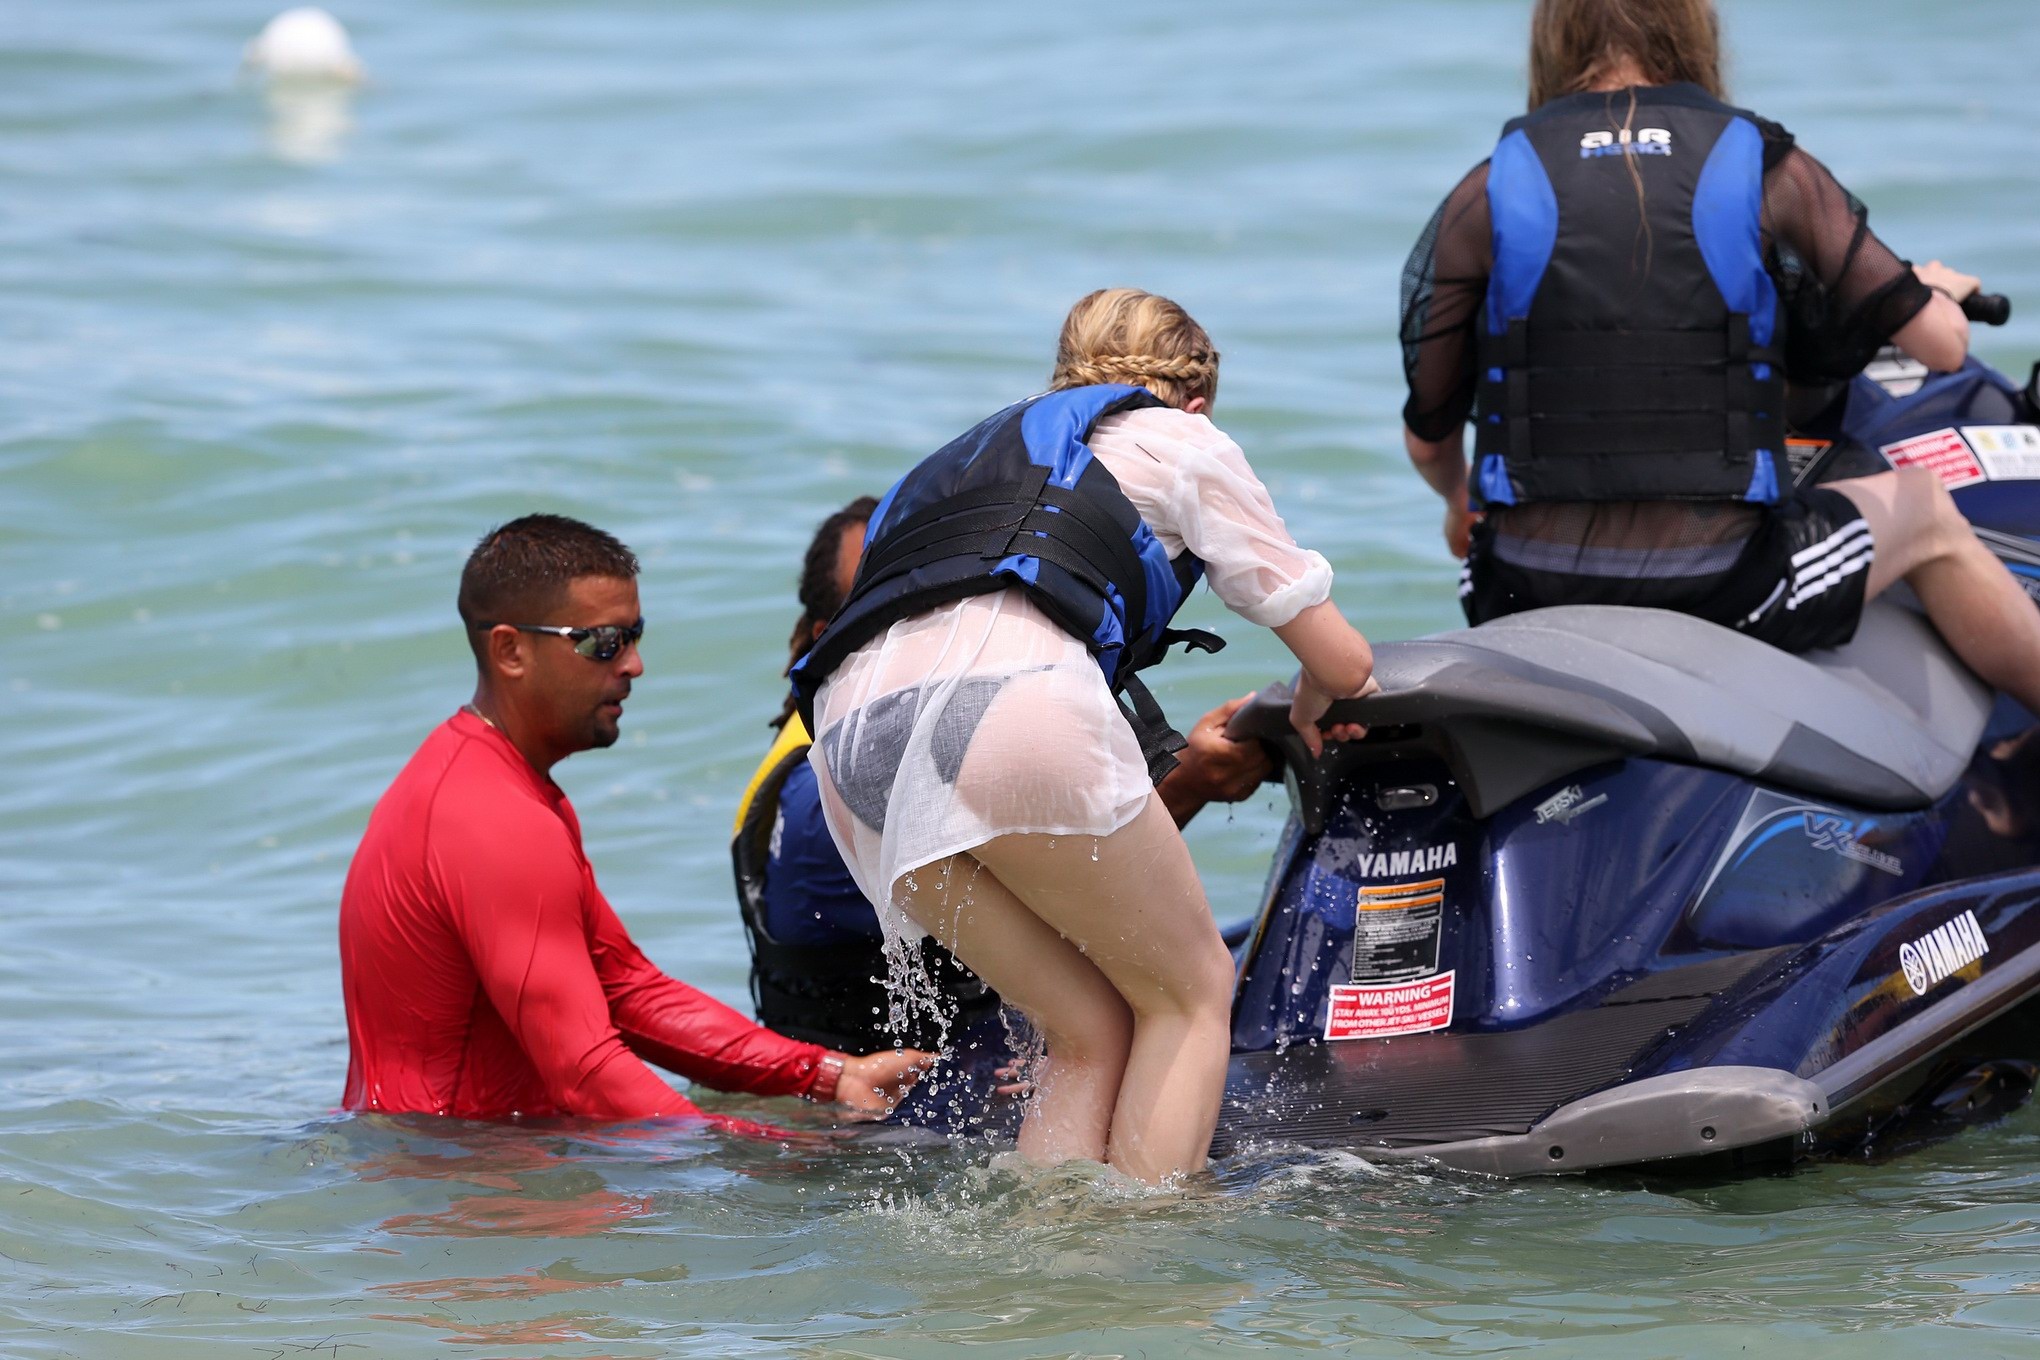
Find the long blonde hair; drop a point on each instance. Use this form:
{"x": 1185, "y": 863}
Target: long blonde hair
{"x": 1123, "y": 335}
{"x": 1573, "y": 44}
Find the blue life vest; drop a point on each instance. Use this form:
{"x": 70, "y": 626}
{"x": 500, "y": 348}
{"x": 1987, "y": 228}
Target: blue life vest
{"x": 1630, "y": 346}
{"x": 1019, "y": 502}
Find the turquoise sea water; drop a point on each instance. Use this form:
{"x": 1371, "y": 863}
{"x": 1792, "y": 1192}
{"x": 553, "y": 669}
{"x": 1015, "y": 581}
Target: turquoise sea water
{"x": 700, "y": 273}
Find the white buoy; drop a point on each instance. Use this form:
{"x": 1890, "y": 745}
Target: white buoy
{"x": 304, "y": 45}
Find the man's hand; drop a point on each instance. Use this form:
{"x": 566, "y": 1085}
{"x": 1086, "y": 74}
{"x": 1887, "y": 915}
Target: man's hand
{"x": 1223, "y": 769}
{"x": 1212, "y": 767}
{"x": 870, "y": 1086}
{"x": 1459, "y": 522}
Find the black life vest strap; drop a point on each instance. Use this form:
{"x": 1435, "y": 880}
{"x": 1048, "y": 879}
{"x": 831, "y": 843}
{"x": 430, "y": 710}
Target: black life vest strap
{"x": 1641, "y": 392}
{"x": 1029, "y": 518}
{"x": 1159, "y": 742}
{"x": 1193, "y": 640}
{"x": 1610, "y": 349}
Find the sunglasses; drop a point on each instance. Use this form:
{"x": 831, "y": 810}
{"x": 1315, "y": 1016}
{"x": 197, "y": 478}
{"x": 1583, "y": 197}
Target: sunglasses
{"x": 597, "y": 644}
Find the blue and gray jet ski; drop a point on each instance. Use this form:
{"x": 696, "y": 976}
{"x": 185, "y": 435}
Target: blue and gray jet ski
{"x": 1605, "y": 887}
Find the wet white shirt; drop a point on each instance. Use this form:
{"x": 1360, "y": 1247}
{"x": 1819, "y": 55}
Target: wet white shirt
{"x": 984, "y": 718}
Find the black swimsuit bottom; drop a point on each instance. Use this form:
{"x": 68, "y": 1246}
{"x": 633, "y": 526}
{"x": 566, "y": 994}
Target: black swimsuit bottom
{"x": 865, "y": 761}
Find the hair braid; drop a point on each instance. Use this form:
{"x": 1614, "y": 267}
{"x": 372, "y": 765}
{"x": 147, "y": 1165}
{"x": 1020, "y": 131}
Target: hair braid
{"x": 1123, "y": 335}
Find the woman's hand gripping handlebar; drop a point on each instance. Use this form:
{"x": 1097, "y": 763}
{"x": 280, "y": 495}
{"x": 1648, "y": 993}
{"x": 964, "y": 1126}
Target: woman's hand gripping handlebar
{"x": 1337, "y": 664}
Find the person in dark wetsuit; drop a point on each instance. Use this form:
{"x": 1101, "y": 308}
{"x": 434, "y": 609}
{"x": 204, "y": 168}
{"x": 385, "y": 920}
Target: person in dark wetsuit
{"x": 818, "y": 969}
{"x": 485, "y": 975}
{"x": 1617, "y": 298}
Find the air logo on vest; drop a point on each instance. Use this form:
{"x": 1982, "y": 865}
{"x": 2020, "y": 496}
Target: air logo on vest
{"x": 1425, "y": 859}
{"x": 1645, "y": 142}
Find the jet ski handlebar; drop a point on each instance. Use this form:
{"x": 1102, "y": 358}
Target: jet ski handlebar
{"x": 1265, "y": 717}
{"x": 1991, "y": 309}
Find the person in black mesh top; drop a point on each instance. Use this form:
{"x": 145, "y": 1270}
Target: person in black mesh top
{"x": 1618, "y": 299}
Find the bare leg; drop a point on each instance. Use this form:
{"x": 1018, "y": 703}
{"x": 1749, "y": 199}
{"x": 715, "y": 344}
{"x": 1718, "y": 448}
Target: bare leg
{"x": 1921, "y": 537}
{"x": 1088, "y": 1028}
{"x": 1138, "y": 913}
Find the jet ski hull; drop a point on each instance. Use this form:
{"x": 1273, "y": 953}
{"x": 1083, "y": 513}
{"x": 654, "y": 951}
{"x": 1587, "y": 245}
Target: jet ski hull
{"x": 1782, "y": 1051}
{"x": 1606, "y": 887}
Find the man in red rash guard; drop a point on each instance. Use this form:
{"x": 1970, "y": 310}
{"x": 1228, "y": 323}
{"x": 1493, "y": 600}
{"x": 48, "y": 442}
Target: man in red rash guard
{"x": 485, "y": 974}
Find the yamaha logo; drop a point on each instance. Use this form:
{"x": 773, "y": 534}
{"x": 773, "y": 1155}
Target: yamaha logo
{"x": 1915, "y": 969}
{"x": 1941, "y": 952}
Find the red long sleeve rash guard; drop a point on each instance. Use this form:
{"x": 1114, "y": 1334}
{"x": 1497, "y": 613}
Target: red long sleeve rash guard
{"x": 486, "y": 975}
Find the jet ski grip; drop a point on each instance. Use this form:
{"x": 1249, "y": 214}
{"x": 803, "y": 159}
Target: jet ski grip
{"x": 1265, "y": 718}
{"x": 1991, "y": 309}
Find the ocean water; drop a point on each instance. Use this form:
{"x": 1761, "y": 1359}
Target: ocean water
{"x": 700, "y": 273}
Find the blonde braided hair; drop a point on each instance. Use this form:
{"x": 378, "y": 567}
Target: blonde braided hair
{"x": 1123, "y": 335}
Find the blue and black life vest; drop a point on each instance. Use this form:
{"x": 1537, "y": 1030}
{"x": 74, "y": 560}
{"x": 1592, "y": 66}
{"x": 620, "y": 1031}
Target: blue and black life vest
{"x": 1630, "y": 344}
{"x": 1019, "y": 502}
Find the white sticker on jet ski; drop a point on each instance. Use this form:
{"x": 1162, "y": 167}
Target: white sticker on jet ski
{"x": 1395, "y": 930}
{"x": 1896, "y": 371}
{"x": 1944, "y": 452}
{"x": 1568, "y": 803}
{"x": 2009, "y": 453}
{"x": 1384, "y": 1011}
{"x": 1946, "y": 950}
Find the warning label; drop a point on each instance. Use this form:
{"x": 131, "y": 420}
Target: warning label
{"x": 1801, "y": 454}
{"x": 1380, "y": 1012}
{"x": 1944, "y": 452}
{"x": 2009, "y": 453}
{"x": 1395, "y": 930}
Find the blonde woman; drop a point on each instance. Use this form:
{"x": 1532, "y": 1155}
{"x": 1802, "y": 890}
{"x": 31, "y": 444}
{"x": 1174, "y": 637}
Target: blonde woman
{"x": 1618, "y": 297}
{"x": 986, "y": 754}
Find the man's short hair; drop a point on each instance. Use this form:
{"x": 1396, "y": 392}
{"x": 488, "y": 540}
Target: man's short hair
{"x": 520, "y": 572}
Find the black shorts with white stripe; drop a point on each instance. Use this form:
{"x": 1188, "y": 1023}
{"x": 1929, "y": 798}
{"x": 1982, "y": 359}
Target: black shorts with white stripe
{"x": 1797, "y": 582}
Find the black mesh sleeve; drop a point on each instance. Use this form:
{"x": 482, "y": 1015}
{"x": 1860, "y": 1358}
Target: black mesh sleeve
{"x": 1443, "y": 285}
{"x": 1845, "y": 292}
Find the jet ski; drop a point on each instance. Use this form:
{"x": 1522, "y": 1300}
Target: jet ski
{"x": 1612, "y": 887}
{"x": 1604, "y": 887}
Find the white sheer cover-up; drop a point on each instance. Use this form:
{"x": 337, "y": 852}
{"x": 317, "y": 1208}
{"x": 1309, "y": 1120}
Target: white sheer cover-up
{"x": 983, "y": 718}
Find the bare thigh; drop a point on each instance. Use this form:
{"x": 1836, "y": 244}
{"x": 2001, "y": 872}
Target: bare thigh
{"x": 974, "y": 915}
{"x": 1133, "y": 904}
{"x": 1910, "y": 515}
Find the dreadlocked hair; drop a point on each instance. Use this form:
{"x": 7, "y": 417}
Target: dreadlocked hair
{"x": 1123, "y": 335}
{"x": 820, "y": 597}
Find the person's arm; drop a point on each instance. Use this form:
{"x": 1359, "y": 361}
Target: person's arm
{"x": 1863, "y": 294}
{"x": 1337, "y": 664}
{"x": 1444, "y": 286}
{"x": 1226, "y": 517}
{"x": 1442, "y": 464}
{"x": 517, "y": 903}
{"x": 685, "y": 1030}
{"x": 1938, "y": 334}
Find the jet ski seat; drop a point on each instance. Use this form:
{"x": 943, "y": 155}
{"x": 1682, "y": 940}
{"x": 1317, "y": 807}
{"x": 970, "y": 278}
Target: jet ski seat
{"x": 1889, "y": 721}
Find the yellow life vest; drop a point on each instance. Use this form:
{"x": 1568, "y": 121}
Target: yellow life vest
{"x": 792, "y": 737}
